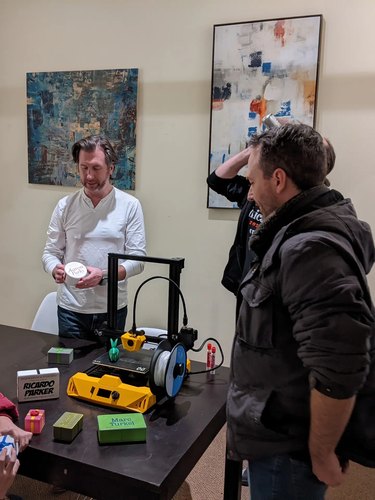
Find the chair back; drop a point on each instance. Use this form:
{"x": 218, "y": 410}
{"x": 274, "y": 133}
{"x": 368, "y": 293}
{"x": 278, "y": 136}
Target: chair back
{"x": 46, "y": 316}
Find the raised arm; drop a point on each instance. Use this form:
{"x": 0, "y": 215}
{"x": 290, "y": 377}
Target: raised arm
{"x": 233, "y": 165}
{"x": 226, "y": 181}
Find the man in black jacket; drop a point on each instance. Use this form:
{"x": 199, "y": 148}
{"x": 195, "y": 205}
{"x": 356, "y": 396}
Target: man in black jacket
{"x": 225, "y": 180}
{"x": 302, "y": 393}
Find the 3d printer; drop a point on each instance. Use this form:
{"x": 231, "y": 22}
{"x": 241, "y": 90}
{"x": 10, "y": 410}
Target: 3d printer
{"x": 145, "y": 369}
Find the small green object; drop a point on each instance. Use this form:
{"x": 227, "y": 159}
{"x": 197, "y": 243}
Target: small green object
{"x": 121, "y": 428}
{"x": 67, "y": 426}
{"x": 113, "y": 353}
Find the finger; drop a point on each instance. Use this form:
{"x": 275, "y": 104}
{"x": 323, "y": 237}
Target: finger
{"x": 13, "y": 455}
{"x": 345, "y": 467}
{"x": 24, "y": 442}
{"x": 10, "y": 461}
{"x": 28, "y": 437}
{"x": 16, "y": 466}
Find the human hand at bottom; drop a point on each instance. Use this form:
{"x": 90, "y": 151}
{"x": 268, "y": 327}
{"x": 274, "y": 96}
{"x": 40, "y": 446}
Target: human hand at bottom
{"x": 8, "y": 471}
{"x": 329, "y": 470}
{"x": 93, "y": 278}
{"x": 58, "y": 273}
{"x": 19, "y": 435}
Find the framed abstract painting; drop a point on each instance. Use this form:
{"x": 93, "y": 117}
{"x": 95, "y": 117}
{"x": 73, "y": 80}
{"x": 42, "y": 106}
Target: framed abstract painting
{"x": 65, "y": 106}
{"x": 260, "y": 67}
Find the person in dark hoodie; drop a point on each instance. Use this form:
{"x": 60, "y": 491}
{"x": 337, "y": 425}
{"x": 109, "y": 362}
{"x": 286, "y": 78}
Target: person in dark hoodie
{"x": 225, "y": 180}
{"x": 302, "y": 392}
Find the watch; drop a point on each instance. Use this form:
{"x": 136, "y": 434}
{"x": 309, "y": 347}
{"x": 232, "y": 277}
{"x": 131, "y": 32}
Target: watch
{"x": 104, "y": 279}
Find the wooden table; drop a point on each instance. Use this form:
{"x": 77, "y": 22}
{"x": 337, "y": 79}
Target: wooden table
{"x": 177, "y": 436}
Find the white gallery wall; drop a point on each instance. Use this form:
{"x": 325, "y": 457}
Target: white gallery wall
{"x": 170, "y": 41}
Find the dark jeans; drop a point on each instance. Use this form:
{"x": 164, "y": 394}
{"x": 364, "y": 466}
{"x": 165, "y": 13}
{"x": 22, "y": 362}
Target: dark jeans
{"x": 86, "y": 326}
{"x": 284, "y": 478}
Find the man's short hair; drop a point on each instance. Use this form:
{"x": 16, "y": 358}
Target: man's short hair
{"x": 296, "y": 148}
{"x": 331, "y": 155}
{"x": 92, "y": 142}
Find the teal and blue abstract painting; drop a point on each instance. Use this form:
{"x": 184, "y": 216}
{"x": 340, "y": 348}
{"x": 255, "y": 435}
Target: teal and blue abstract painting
{"x": 65, "y": 106}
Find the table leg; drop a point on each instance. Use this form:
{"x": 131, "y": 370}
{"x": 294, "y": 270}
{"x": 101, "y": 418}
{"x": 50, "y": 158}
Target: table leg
{"x": 232, "y": 480}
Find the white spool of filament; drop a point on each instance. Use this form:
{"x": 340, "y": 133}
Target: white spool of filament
{"x": 74, "y": 271}
{"x": 169, "y": 370}
{"x": 161, "y": 368}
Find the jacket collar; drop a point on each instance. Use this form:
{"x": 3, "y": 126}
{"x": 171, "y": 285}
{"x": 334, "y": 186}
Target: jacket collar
{"x": 301, "y": 204}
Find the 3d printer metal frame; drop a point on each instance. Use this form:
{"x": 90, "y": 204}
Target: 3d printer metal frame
{"x": 176, "y": 265}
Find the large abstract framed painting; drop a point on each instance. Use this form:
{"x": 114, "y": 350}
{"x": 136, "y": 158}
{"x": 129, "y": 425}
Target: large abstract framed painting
{"x": 260, "y": 67}
{"x": 64, "y": 106}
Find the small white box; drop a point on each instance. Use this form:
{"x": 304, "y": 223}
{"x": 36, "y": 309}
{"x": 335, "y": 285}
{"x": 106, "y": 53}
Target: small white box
{"x": 35, "y": 385}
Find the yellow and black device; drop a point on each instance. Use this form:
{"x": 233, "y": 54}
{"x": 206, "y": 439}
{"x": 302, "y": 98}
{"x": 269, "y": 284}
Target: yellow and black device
{"x": 143, "y": 369}
{"x": 133, "y": 341}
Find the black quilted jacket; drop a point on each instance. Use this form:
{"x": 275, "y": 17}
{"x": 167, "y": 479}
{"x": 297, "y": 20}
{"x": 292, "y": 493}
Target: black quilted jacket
{"x": 306, "y": 320}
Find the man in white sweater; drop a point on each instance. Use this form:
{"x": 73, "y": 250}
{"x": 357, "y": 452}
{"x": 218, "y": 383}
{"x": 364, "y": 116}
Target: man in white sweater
{"x": 85, "y": 227}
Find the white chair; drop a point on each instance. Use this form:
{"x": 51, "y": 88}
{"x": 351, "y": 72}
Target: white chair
{"x": 46, "y": 316}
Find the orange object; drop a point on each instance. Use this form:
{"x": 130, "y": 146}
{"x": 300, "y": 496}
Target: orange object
{"x": 259, "y": 105}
